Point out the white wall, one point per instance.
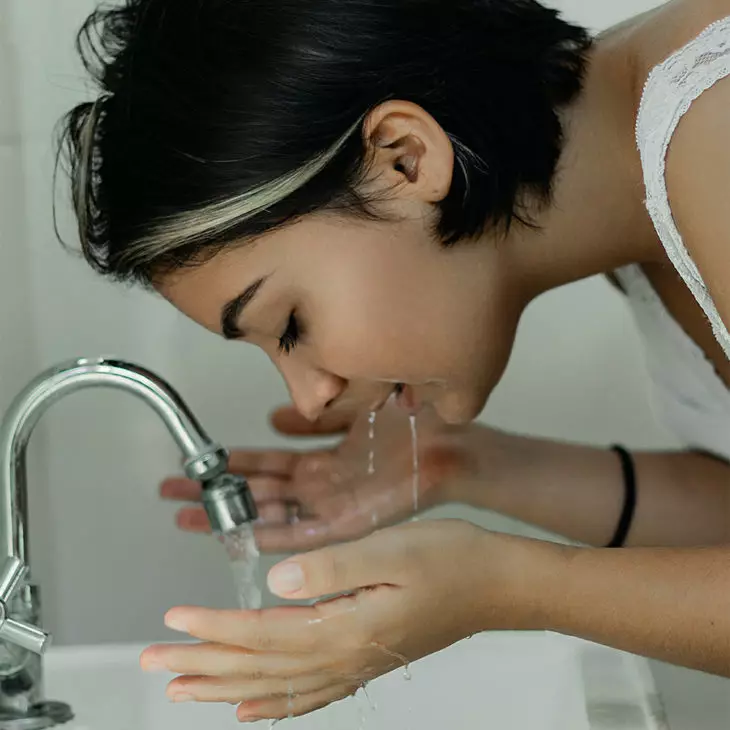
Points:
(115, 562)
(18, 352)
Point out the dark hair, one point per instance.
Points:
(219, 120)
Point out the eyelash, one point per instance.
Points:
(289, 340)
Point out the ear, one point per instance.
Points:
(409, 150)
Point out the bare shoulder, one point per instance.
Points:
(659, 32)
(698, 182)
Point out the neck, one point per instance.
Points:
(597, 221)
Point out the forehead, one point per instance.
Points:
(201, 291)
(300, 252)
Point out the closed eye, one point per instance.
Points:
(291, 336)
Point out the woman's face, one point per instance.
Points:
(347, 310)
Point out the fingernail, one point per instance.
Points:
(175, 622)
(182, 697)
(243, 716)
(286, 578)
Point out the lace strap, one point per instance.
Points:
(670, 91)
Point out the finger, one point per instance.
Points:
(279, 708)
(263, 488)
(193, 519)
(287, 538)
(289, 421)
(272, 513)
(288, 629)
(253, 463)
(336, 569)
(273, 533)
(216, 660)
(352, 518)
(238, 689)
(180, 489)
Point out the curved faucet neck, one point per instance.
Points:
(204, 459)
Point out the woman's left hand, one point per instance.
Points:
(411, 591)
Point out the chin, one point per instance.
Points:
(458, 409)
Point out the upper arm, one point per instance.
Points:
(698, 182)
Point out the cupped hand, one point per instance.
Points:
(409, 591)
(310, 499)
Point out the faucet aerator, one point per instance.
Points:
(228, 503)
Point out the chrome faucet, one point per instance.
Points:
(226, 497)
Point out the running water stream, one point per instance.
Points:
(244, 556)
(416, 473)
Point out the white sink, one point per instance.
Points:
(502, 681)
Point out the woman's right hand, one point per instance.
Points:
(310, 499)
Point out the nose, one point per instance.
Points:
(311, 389)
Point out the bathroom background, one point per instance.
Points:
(104, 547)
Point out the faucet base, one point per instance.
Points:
(40, 716)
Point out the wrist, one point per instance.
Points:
(471, 462)
(520, 588)
(449, 463)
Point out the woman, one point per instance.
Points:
(372, 192)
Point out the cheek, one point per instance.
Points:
(383, 329)
(359, 342)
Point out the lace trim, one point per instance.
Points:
(670, 91)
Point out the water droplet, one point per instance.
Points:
(290, 702)
(372, 704)
(361, 713)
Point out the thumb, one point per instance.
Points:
(335, 569)
(290, 422)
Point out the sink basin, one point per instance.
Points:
(505, 681)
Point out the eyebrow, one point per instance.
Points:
(232, 311)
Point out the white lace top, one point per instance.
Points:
(690, 394)
(668, 95)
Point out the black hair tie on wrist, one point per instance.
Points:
(629, 509)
